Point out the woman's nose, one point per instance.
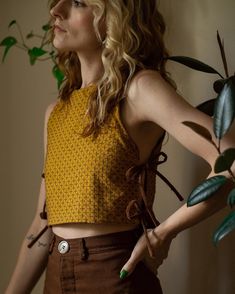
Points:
(58, 10)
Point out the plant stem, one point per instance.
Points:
(44, 37)
(44, 43)
(231, 174)
(38, 36)
(44, 59)
(21, 35)
(220, 75)
(21, 47)
(221, 45)
(219, 140)
(213, 143)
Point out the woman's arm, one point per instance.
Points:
(32, 261)
(155, 100)
(161, 237)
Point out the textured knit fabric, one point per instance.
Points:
(85, 177)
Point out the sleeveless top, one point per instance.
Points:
(97, 180)
(85, 177)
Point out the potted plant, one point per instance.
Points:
(222, 109)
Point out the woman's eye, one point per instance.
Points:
(78, 3)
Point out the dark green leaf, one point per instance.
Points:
(34, 53)
(227, 226)
(30, 35)
(194, 64)
(207, 107)
(231, 198)
(224, 109)
(224, 161)
(58, 75)
(32, 58)
(11, 23)
(46, 27)
(8, 42)
(219, 84)
(38, 51)
(205, 190)
(200, 130)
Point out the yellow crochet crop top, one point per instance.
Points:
(86, 178)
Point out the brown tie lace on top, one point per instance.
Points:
(141, 208)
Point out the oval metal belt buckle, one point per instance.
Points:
(63, 247)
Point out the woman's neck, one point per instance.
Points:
(91, 69)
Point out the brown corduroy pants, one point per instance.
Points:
(91, 265)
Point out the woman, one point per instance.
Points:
(102, 145)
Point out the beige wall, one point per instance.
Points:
(194, 265)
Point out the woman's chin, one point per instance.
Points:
(59, 47)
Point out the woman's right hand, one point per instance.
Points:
(160, 243)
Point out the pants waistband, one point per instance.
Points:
(82, 246)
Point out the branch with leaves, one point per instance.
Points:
(222, 109)
(42, 52)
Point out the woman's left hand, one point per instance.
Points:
(159, 244)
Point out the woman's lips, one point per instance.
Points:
(58, 29)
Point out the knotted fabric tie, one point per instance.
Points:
(43, 215)
(141, 207)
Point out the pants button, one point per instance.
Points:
(63, 247)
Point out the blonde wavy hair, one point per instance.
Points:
(134, 41)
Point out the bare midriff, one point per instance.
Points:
(81, 230)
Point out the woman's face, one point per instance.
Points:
(75, 31)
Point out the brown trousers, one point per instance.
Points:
(92, 266)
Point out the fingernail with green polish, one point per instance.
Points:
(123, 274)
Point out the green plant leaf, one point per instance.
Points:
(225, 160)
(205, 190)
(8, 42)
(200, 130)
(46, 27)
(34, 53)
(30, 35)
(32, 58)
(231, 198)
(207, 107)
(12, 23)
(224, 109)
(38, 51)
(227, 226)
(219, 84)
(57, 73)
(194, 64)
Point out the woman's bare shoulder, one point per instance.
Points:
(155, 100)
(149, 91)
(142, 80)
(148, 87)
(48, 111)
(50, 107)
